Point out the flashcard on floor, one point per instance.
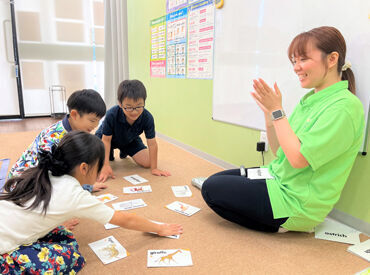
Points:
(171, 237)
(361, 249)
(108, 250)
(106, 197)
(135, 179)
(181, 191)
(127, 205)
(138, 189)
(110, 226)
(259, 173)
(335, 231)
(183, 208)
(169, 257)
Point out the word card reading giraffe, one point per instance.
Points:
(170, 257)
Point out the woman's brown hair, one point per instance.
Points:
(326, 39)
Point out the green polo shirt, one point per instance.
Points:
(329, 125)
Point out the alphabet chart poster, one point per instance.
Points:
(158, 47)
(201, 25)
(176, 43)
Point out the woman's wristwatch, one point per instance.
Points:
(278, 114)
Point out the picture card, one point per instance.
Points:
(135, 179)
(108, 250)
(137, 189)
(171, 236)
(183, 208)
(106, 197)
(128, 205)
(110, 226)
(332, 230)
(169, 257)
(259, 173)
(361, 249)
(181, 191)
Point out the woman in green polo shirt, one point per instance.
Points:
(315, 148)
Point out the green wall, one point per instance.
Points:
(182, 109)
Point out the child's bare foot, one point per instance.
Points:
(71, 224)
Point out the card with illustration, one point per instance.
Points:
(128, 205)
(361, 249)
(181, 191)
(110, 226)
(169, 257)
(108, 250)
(137, 189)
(106, 197)
(332, 230)
(171, 237)
(135, 179)
(259, 173)
(183, 208)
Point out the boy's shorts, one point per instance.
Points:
(132, 148)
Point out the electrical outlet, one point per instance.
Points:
(263, 138)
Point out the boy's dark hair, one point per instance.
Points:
(134, 89)
(75, 148)
(87, 101)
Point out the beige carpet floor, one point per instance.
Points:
(217, 246)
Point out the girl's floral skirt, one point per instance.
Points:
(56, 253)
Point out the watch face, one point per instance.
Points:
(277, 114)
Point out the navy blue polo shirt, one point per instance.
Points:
(116, 125)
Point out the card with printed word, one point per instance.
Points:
(361, 249)
(171, 236)
(181, 191)
(169, 257)
(110, 226)
(106, 197)
(109, 250)
(332, 230)
(183, 208)
(135, 179)
(137, 189)
(259, 173)
(128, 205)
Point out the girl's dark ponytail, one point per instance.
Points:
(75, 148)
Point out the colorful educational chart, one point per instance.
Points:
(169, 257)
(176, 43)
(108, 250)
(173, 5)
(201, 25)
(158, 47)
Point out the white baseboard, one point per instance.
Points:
(340, 216)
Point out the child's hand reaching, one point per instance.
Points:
(106, 173)
(157, 172)
(167, 229)
(99, 186)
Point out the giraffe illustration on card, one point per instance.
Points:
(169, 257)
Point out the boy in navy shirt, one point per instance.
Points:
(122, 127)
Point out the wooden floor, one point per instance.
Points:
(25, 125)
(217, 246)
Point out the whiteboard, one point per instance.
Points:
(251, 41)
